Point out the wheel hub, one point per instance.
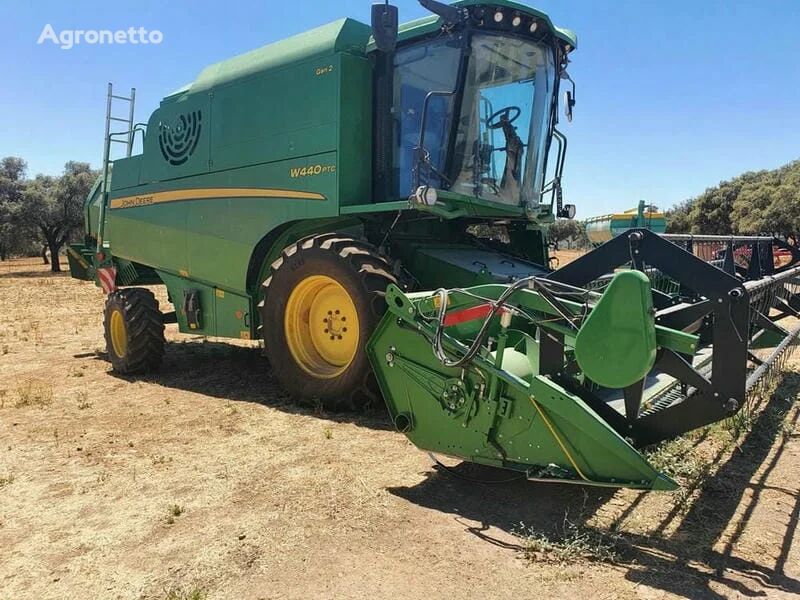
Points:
(119, 334)
(321, 325)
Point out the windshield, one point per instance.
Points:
(496, 149)
(502, 133)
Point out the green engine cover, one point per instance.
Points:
(274, 137)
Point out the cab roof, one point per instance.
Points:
(430, 23)
(343, 35)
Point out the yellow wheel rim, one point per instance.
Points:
(321, 326)
(119, 334)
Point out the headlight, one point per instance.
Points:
(426, 195)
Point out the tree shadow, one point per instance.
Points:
(43, 274)
(686, 552)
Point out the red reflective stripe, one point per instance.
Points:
(467, 314)
(107, 279)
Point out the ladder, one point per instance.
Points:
(126, 136)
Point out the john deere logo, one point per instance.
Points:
(179, 140)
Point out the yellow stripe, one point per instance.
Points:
(647, 215)
(78, 257)
(560, 443)
(625, 216)
(211, 193)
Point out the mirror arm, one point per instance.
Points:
(565, 75)
(450, 14)
(554, 186)
(569, 95)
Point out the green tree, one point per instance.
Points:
(679, 218)
(566, 230)
(54, 205)
(766, 202)
(783, 214)
(711, 211)
(12, 185)
(580, 239)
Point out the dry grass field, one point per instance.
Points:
(204, 481)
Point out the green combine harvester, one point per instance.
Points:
(308, 193)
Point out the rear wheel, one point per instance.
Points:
(322, 301)
(134, 331)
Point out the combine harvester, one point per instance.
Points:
(304, 193)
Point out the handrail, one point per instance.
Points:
(688, 237)
(108, 139)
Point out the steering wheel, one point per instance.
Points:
(503, 112)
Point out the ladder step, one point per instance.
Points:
(118, 119)
(121, 98)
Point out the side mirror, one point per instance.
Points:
(384, 26)
(569, 104)
(568, 211)
(569, 96)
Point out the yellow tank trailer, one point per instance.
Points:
(601, 229)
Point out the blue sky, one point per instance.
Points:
(672, 96)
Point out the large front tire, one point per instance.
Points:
(134, 331)
(322, 301)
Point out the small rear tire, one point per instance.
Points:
(134, 331)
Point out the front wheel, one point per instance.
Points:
(322, 301)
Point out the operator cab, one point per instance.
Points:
(471, 99)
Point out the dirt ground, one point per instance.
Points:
(203, 481)
(565, 256)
